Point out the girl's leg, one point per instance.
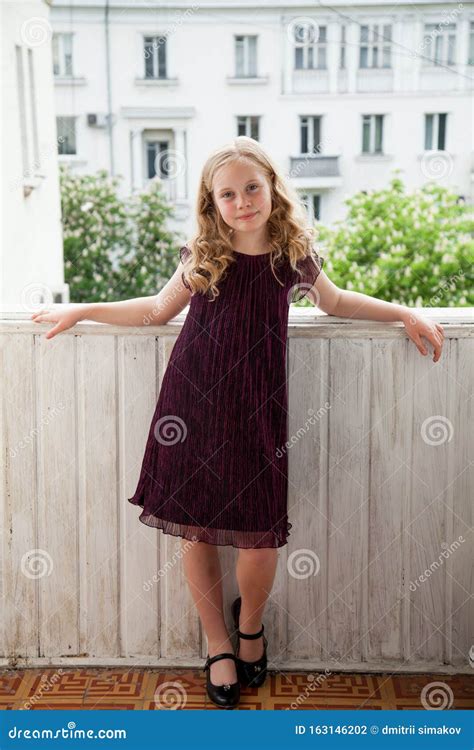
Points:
(203, 573)
(255, 574)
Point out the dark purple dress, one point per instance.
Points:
(212, 469)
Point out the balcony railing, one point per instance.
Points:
(314, 165)
(377, 571)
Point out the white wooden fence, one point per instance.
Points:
(377, 574)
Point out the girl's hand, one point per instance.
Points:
(417, 326)
(65, 316)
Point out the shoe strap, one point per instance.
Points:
(211, 659)
(251, 636)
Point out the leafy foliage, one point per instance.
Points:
(415, 249)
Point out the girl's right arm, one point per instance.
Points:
(140, 311)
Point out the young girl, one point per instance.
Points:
(210, 472)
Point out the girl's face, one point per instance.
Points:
(242, 195)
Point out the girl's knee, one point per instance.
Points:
(258, 556)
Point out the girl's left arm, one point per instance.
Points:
(347, 304)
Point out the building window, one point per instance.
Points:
(245, 56)
(157, 159)
(312, 203)
(34, 110)
(310, 46)
(20, 81)
(62, 54)
(372, 134)
(154, 52)
(375, 46)
(310, 134)
(248, 125)
(439, 44)
(470, 60)
(342, 56)
(435, 132)
(66, 127)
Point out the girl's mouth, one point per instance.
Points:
(247, 217)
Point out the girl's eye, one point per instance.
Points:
(228, 193)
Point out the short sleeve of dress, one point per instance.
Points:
(184, 254)
(310, 267)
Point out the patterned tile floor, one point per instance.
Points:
(153, 689)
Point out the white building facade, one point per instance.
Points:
(32, 268)
(340, 97)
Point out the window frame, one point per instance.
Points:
(159, 60)
(153, 141)
(251, 121)
(308, 199)
(73, 119)
(248, 70)
(437, 131)
(375, 134)
(58, 44)
(311, 51)
(313, 127)
(374, 43)
(440, 52)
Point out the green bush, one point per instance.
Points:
(114, 248)
(153, 254)
(415, 248)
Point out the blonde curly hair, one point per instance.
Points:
(211, 250)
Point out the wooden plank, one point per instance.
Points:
(180, 626)
(99, 506)
(390, 436)
(460, 511)
(139, 584)
(433, 453)
(306, 595)
(22, 561)
(349, 444)
(57, 497)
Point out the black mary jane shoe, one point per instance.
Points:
(250, 673)
(225, 696)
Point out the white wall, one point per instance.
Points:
(32, 255)
(204, 104)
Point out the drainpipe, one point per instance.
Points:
(109, 88)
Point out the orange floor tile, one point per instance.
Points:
(153, 689)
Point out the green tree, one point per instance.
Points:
(152, 257)
(412, 248)
(114, 248)
(96, 229)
